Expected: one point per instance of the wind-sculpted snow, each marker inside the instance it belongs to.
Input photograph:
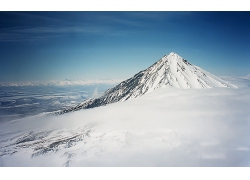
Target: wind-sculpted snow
(166, 127)
(45, 142)
(171, 71)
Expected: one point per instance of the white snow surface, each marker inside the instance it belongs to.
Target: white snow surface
(166, 127)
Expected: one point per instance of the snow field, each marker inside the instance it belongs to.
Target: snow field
(166, 127)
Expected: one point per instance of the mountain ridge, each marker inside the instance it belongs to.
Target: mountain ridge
(170, 71)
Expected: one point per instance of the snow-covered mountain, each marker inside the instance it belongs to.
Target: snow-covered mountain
(164, 128)
(170, 71)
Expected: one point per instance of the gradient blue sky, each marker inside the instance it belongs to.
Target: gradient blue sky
(117, 45)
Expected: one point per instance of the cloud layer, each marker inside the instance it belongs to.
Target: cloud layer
(167, 127)
(61, 83)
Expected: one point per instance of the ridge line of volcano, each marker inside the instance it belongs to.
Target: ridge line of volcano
(170, 71)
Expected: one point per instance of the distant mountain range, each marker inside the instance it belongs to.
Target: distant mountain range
(170, 71)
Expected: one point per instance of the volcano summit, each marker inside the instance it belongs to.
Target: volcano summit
(170, 71)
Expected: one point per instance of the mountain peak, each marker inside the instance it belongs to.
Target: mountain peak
(172, 57)
(171, 71)
(172, 53)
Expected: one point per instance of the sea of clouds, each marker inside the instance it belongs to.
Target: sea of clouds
(167, 127)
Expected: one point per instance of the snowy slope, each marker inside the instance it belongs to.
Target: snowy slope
(170, 71)
(167, 127)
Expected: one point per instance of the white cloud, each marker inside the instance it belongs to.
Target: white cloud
(95, 93)
(167, 127)
(61, 83)
(243, 148)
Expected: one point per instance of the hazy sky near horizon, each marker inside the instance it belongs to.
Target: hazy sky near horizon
(117, 45)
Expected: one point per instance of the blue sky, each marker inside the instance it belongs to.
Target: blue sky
(117, 45)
